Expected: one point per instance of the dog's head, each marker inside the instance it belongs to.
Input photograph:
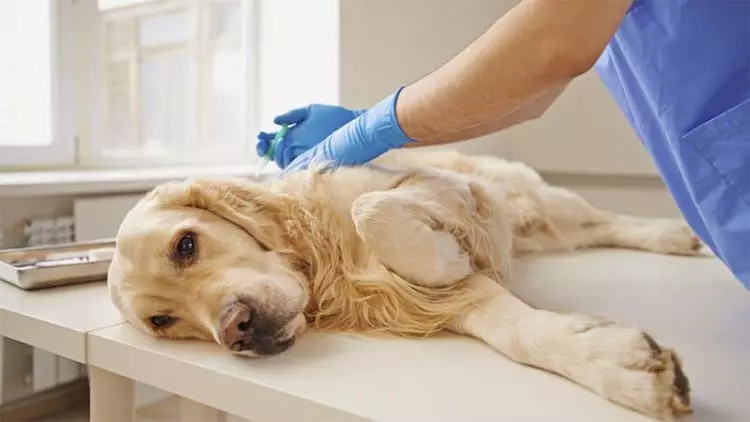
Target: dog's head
(207, 259)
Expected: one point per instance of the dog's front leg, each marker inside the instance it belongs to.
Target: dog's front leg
(620, 363)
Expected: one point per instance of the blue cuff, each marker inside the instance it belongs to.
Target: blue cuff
(382, 125)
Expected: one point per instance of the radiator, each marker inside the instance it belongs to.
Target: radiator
(99, 217)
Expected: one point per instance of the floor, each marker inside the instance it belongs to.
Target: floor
(164, 411)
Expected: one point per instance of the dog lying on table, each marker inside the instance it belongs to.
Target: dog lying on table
(416, 243)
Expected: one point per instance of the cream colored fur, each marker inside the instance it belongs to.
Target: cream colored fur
(416, 243)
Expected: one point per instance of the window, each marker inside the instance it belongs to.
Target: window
(34, 126)
(176, 79)
(152, 82)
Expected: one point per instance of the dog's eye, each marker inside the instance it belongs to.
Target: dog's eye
(162, 321)
(185, 246)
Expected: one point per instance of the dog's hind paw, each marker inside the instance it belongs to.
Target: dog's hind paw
(673, 237)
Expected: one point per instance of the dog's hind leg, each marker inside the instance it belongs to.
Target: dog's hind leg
(665, 236)
(618, 362)
(578, 225)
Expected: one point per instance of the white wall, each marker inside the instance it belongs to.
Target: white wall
(299, 55)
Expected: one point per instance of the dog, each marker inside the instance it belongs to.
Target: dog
(412, 244)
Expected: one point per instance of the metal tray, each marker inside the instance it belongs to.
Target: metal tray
(20, 267)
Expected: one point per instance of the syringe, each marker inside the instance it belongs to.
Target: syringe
(272, 148)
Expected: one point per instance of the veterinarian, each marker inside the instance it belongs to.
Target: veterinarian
(679, 70)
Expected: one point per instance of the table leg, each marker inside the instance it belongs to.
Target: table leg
(191, 411)
(112, 397)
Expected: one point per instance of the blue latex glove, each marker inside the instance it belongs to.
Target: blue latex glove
(309, 126)
(370, 135)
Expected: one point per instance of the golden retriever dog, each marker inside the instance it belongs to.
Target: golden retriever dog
(415, 243)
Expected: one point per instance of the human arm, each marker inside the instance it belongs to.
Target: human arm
(524, 60)
(510, 74)
(529, 112)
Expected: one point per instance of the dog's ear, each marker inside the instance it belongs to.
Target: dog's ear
(251, 207)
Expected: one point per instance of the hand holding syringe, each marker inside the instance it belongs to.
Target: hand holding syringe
(268, 156)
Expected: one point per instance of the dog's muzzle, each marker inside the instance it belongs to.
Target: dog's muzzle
(248, 331)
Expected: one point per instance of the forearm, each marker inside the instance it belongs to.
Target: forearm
(512, 72)
(529, 112)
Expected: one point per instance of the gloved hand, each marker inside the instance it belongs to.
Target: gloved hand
(309, 126)
(370, 135)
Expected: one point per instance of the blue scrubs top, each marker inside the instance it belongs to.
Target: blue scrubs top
(680, 72)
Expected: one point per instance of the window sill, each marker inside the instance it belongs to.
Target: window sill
(88, 182)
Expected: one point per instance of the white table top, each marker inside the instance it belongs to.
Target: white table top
(56, 319)
(692, 304)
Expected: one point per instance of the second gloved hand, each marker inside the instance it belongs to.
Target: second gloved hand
(371, 134)
(310, 125)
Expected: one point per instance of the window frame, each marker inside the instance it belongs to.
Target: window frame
(78, 100)
(62, 149)
(92, 148)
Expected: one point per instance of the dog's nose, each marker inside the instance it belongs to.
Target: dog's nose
(243, 328)
(235, 325)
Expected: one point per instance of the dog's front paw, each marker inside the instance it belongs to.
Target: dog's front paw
(631, 369)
